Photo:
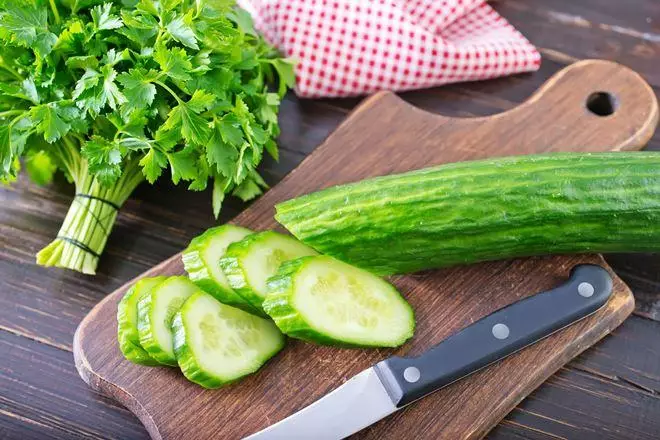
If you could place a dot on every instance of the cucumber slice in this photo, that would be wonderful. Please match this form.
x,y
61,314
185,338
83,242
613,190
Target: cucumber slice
x,y
127,330
250,262
156,310
216,344
324,300
201,259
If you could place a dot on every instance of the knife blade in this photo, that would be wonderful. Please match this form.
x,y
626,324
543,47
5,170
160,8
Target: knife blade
x,y
397,381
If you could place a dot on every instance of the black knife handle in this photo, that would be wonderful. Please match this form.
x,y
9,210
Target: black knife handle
x,y
496,336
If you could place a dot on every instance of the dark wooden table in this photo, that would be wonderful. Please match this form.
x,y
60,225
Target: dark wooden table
x,y
612,391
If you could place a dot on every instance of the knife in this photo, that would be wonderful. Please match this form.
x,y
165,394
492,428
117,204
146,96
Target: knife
x,y
396,382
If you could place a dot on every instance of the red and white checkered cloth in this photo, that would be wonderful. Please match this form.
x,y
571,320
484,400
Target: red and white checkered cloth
x,y
355,47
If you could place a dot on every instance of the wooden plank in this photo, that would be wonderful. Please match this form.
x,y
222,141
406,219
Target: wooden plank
x,y
445,301
176,206
592,29
50,400
589,408
628,358
42,396
612,391
642,273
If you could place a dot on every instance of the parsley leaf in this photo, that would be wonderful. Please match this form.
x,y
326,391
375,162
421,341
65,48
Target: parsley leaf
x,y
40,167
230,130
6,154
94,90
182,165
138,28
148,6
244,21
138,87
86,62
112,57
181,31
152,164
27,24
104,19
185,117
173,62
285,70
200,101
271,147
50,122
218,196
221,153
104,158
72,38
250,188
26,90
111,93
44,43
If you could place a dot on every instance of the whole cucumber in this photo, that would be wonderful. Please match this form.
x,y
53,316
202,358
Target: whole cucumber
x,y
485,210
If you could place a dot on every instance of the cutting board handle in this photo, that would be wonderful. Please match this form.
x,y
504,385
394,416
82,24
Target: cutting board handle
x,y
591,105
601,93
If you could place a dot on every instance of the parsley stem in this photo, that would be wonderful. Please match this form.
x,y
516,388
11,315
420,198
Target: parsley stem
x,y
161,33
21,115
11,112
163,85
71,156
55,13
90,219
60,150
10,70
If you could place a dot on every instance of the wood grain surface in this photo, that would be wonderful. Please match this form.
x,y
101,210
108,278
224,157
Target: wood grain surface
x,y
610,392
382,136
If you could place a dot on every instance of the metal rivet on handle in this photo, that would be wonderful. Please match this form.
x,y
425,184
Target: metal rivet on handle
x,y
500,331
585,290
411,374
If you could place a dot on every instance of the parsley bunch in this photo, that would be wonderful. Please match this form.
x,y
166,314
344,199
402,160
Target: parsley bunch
x,y
112,93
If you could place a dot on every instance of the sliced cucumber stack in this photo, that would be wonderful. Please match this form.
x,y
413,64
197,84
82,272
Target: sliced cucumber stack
x,y
209,326
250,262
201,261
216,344
127,327
324,300
156,310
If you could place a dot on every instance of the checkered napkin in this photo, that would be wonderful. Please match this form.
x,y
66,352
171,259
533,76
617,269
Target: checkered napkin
x,y
356,47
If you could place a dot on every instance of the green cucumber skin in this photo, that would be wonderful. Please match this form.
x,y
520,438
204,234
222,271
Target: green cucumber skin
x,y
278,306
148,339
235,273
231,266
186,359
485,210
137,355
127,335
199,273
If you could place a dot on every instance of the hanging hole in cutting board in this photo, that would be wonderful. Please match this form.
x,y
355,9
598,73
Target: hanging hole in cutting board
x,y
601,103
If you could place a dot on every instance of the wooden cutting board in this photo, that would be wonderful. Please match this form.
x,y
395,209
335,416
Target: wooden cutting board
x,y
386,135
